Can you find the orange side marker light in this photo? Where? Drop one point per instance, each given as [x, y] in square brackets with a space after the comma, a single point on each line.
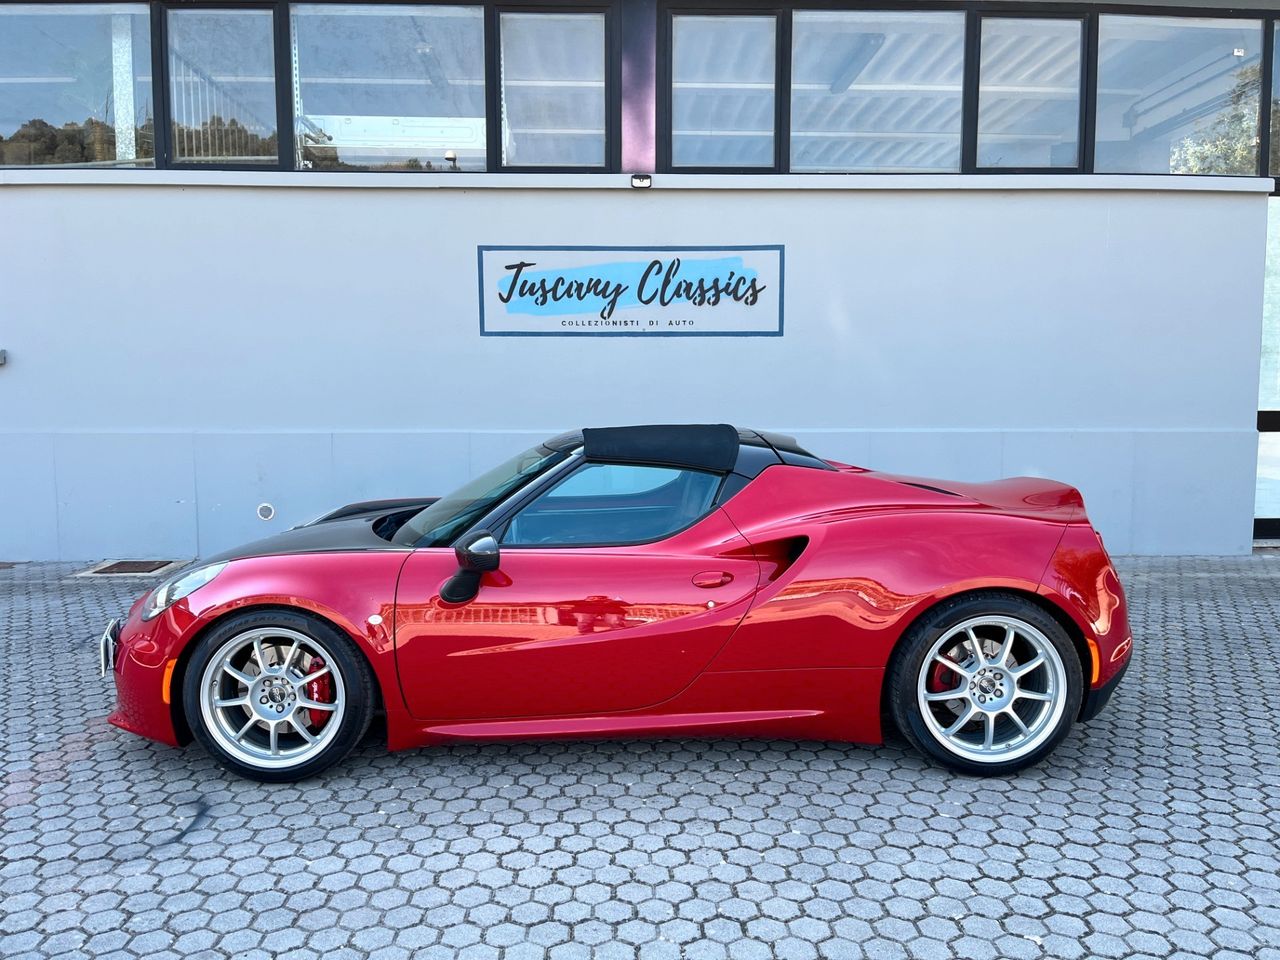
[1097, 662]
[168, 676]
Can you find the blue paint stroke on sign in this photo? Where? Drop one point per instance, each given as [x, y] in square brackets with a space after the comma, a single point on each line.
[605, 287]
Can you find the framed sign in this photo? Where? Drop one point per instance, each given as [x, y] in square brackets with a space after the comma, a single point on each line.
[733, 291]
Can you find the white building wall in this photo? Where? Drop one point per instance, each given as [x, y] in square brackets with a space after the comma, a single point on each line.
[183, 347]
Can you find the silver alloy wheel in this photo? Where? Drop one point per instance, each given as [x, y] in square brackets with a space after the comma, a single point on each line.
[992, 689]
[255, 702]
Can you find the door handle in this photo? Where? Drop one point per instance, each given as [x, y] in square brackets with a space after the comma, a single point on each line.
[712, 578]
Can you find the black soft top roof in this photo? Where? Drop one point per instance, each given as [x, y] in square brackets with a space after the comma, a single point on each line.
[702, 446]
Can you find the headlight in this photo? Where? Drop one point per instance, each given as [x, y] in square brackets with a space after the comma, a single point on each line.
[182, 584]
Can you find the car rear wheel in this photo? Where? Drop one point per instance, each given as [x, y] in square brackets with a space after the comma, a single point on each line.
[277, 696]
[987, 684]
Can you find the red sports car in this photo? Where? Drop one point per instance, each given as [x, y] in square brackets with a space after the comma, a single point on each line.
[642, 581]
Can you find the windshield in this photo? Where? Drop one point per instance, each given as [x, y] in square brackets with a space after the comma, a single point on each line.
[448, 518]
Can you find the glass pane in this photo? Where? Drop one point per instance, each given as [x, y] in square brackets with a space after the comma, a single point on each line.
[1269, 384]
[611, 503]
[1267, 503]
[1029, 93]
[389, 87]
[75, 85]
[876, 91]
[600, 481]
[553, 82]
[222, 86]
[1178, 95]
[722, 78]
[1274, 167]
[440, 523]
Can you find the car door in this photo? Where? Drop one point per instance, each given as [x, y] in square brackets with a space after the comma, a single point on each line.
[614, 589]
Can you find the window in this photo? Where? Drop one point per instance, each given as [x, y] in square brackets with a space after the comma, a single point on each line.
[439, 524]
[553, 90]
[723, 73]
[389, 87]
[222, 87]
[1029, 92]
[1274, 112]
[876, 91]
[1267, 505]
[468, 85]
[1269, 382]
[1267, 502]
[605, 503]
[1178, 95]
[75, 85]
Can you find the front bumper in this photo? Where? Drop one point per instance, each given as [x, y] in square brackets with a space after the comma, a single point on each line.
[140, 658]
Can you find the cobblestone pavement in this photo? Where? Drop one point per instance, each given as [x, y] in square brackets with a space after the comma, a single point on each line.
[1152, 832]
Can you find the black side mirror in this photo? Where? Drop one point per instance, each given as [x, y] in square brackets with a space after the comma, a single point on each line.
[477, 555]
[478, 552]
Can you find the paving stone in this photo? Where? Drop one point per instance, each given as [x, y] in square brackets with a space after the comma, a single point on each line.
[1154, 831]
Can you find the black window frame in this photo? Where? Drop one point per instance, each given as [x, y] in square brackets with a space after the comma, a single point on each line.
[971, 115]
[975, 11]
[283, 78]
[493, 83]
[781, 82]
[1267, 528]
[1267, 19]
[155, 82]
[285, 55]
[1269, 26]
[282, 39]
[967, 117]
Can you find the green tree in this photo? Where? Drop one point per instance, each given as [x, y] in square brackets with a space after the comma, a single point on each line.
[1227, 143]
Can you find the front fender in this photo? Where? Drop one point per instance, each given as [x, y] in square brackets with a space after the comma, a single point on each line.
[353, 591]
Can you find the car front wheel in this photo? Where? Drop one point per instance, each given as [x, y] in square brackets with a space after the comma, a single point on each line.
[987, 684]
[277, 696]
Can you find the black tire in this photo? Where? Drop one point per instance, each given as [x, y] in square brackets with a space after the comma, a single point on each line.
[345, 660]
[906, 683]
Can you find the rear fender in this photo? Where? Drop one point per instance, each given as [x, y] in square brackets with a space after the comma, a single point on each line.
[861, 581]
[1082, 582]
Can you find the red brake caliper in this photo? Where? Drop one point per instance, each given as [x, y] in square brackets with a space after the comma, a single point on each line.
[321, 691]
[937, 677]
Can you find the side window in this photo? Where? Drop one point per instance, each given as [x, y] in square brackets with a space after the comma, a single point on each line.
[606, 503]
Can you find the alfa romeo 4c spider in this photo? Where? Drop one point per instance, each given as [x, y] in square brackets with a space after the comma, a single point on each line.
[642, 581]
